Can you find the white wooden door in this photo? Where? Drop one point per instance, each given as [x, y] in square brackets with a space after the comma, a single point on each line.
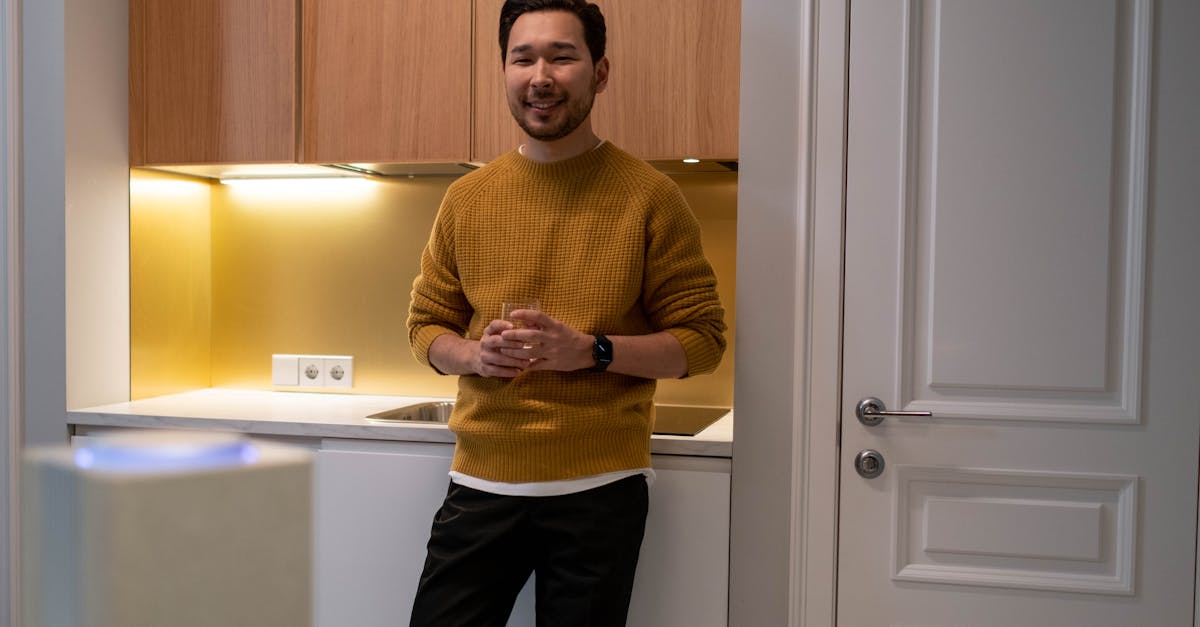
[1020, 263]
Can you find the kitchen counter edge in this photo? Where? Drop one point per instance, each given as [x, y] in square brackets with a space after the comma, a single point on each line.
[325, 415]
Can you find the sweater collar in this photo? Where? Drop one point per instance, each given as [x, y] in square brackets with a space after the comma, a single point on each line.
[565, 168]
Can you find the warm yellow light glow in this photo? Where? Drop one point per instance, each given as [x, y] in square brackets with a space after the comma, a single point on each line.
[251, 180]
[170, 283]
[223, 279]
[293, 191]
[143, 185]
[691, 160]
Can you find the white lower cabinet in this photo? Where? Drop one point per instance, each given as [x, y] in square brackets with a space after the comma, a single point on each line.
[683, 571]
[374, 503]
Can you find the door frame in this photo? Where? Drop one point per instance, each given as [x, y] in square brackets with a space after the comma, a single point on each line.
[818, 441]
[10, 308]
[783, 526]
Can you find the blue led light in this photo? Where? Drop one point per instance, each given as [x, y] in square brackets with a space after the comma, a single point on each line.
[165, 453]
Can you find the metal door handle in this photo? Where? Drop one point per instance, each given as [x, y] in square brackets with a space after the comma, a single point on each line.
[871, 411]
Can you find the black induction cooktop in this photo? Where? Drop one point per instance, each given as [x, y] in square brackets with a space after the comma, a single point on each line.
[685, 419]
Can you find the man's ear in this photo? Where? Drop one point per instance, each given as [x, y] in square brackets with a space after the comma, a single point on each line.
[601, 74]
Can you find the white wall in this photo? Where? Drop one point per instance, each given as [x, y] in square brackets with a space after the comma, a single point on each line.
[9, 423]
[790, 198]
[41, 307]
[44, 219]
[97, 202]
[74, 273]
[40, 261]
[769, 331]
[75, 162]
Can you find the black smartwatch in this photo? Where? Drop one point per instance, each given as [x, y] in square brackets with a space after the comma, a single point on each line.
[601, 353]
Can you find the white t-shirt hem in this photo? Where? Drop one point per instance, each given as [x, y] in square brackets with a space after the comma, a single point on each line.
[548, 488]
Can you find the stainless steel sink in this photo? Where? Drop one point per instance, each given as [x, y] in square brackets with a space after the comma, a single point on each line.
[430, 411]
[669, 419]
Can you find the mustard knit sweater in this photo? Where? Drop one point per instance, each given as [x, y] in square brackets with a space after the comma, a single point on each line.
[608, 245]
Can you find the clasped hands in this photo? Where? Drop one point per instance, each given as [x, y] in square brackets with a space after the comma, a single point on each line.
[543, 343]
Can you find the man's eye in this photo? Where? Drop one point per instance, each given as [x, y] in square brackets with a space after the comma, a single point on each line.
[520, 61]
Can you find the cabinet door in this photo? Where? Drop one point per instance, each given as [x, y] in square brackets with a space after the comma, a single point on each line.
[386, 80]
[683, 570]
[375, 501]
[672, 89]
[212, 81]
[373, 506]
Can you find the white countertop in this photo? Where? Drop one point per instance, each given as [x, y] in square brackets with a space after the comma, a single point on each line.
[324, 415]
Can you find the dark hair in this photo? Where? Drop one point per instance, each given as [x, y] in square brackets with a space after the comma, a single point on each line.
[587, 12]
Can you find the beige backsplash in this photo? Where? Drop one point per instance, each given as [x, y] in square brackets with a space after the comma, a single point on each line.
[224, 276]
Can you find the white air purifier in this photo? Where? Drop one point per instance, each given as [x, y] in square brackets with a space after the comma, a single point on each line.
[167, 529]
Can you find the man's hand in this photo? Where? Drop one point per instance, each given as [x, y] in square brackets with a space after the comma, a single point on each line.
[556, 346]
[500, 357]
[552, 344]
[490, 356]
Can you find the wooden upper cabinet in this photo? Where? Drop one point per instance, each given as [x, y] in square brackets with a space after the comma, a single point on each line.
[672, 88]
[493, 129]
[378, 81]
[212, 81]
[386, 81]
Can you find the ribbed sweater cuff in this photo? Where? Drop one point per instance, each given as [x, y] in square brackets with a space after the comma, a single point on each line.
[423, 339]
[702, 357]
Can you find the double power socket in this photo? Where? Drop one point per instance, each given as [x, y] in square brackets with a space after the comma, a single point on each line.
[313, 371]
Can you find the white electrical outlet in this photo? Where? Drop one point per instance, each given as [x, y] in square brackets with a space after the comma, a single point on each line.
[311, 369]
[339, 371]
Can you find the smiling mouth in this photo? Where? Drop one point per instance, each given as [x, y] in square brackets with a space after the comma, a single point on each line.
[543, 107]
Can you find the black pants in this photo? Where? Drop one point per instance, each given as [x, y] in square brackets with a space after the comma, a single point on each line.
[583, 546]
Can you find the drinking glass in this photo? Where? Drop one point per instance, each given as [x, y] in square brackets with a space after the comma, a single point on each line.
[507, 308]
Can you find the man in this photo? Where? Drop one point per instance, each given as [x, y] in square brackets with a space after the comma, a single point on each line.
[553, 419]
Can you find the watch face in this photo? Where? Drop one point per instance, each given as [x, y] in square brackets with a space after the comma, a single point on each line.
[601, 353]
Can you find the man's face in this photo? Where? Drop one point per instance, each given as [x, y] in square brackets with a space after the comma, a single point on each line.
[549, 75]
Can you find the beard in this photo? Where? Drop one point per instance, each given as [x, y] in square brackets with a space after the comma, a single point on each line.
[577, 110]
